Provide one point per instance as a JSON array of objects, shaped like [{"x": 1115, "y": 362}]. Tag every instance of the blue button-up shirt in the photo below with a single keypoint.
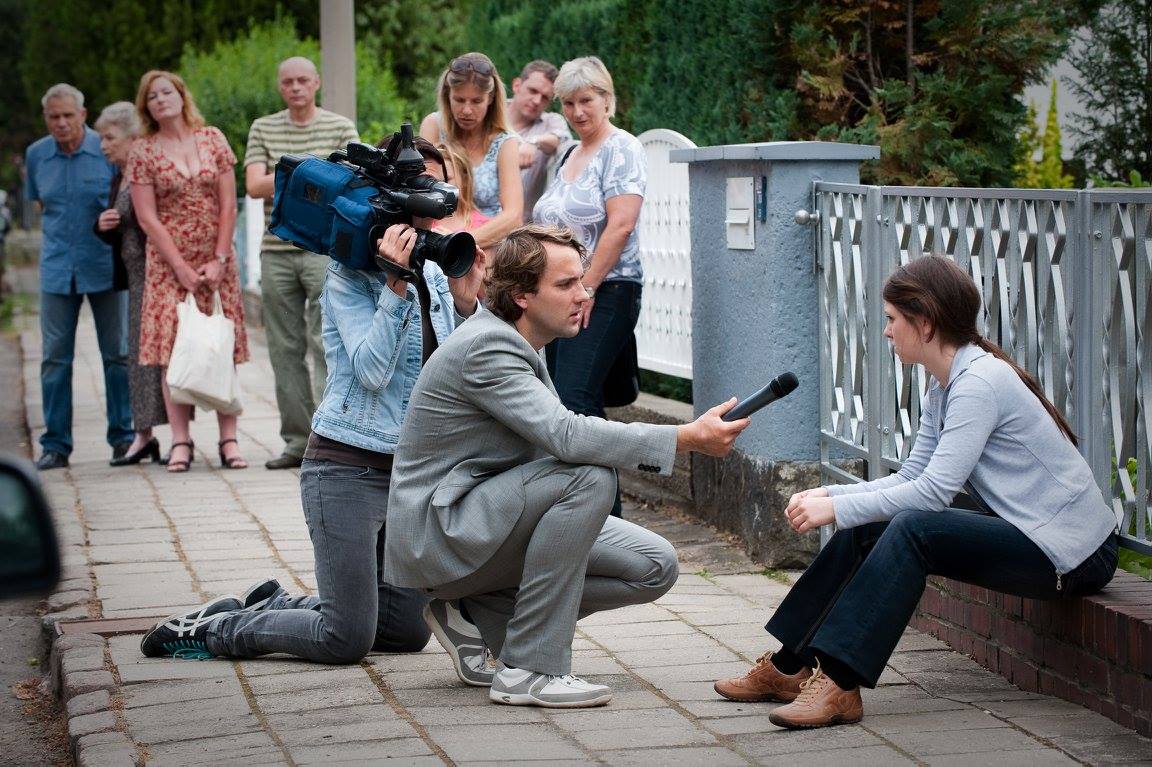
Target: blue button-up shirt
[{"x": 73, "y": 188}]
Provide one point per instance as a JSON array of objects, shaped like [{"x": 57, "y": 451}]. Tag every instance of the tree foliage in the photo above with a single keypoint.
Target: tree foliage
[
  {"x": 1027, "y": 169},
  {"x": 1113, "y": 57},
  {"x": 935, "y": 83},
  {"x": 104, "y": 46},
  {"x": 235, "y": 82},
  {"x": 414, "y": 40},
  {"x": 1047, "y": 171}
]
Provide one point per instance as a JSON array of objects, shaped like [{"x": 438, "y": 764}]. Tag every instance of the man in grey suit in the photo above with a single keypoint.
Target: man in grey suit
[{"x": 501, "y": 496}]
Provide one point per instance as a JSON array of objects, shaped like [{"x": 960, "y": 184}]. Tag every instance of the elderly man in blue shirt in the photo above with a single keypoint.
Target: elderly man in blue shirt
[{"x": 69, "y": 177}]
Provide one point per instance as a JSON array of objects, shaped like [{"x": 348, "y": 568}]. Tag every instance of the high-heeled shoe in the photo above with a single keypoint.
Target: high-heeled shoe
[
  {"x": 179, "y": 467},
  {"x": 236, "y": 461},
  {"x": 151, "y": 450}
]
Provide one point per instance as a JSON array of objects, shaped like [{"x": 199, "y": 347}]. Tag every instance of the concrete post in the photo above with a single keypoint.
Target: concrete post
[
  {"x": 754, "y": 316},
  {"x": 338, "y": 57}
]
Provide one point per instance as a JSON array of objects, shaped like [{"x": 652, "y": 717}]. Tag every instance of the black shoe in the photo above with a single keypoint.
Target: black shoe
[
  {"x": 151, "y": 450},
  {"x": 120, "y": 449},
  {"x": 260, "y": 594},
  {"x": 284, "y": 462},
  {"x": 184, "y": 634},
  {"x": 52, "y": 460}
]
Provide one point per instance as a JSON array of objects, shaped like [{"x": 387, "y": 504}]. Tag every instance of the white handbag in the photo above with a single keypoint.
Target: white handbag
[{"x": 200, "y": 368}]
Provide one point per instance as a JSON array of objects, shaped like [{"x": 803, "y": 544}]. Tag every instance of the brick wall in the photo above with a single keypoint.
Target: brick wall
[{"x": 1095, "y": 651}]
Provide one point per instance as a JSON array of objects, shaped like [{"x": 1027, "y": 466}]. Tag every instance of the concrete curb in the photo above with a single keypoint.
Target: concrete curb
[{"x": 80, "y": 676}]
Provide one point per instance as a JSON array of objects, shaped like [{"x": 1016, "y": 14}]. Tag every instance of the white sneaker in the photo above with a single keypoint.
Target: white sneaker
[{"x": 519, "y": 687}]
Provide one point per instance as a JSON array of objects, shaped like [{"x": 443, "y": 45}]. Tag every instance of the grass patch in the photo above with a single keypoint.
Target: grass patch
[
  {"x": 12, "y": 306},
  {"x": 669, "y": 387},
  {"x": 1135, "y": 562},
  {"x": 777, "y": 575},
  {"x": 705, "y": 574}
]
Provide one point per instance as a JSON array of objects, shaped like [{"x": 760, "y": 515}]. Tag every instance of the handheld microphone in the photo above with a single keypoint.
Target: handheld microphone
[{"x": 780, "y": 386}]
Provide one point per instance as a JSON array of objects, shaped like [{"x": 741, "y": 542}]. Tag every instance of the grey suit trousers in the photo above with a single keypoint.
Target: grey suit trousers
[{"x": 564, "y": 559}]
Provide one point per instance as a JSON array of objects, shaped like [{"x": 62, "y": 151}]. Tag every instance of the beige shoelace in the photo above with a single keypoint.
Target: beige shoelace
[{"x": 812, "y": 686}]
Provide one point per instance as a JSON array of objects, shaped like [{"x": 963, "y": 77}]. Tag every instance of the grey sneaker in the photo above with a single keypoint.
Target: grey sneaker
[
  {"x": 519, "y": 687},
  {"x": 462, "y": 640},
  {"x": 259, "y": 595}
]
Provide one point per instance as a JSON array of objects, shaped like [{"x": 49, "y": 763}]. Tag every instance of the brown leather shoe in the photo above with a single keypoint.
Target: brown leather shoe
[
  {"x": 820, "y": 704},
  {"x": 764, "y": 682}
]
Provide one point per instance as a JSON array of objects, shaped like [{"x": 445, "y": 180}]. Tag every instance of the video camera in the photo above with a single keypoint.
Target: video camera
[{"x": 341, "y": 206}]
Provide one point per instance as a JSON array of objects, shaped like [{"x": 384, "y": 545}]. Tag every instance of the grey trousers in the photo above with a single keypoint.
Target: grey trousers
[
  {"x": 564, "y": 559},
  {"x": 345, "y": 507},
  {"x": 290, "y": 286}
]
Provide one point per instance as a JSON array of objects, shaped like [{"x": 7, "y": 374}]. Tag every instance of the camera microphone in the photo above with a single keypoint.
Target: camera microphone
[{"x": 780, "y": 386}]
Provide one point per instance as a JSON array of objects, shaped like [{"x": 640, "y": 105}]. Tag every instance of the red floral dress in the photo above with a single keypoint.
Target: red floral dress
[{"x": 189, "y": 210}]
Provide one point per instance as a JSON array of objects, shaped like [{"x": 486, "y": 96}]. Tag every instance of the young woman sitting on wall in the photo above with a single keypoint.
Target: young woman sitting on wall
[{"x": 986, "y": 428}]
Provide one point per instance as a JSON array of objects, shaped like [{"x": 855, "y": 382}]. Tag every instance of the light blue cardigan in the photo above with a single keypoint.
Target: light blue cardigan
[{"x": 988, "y": 429}]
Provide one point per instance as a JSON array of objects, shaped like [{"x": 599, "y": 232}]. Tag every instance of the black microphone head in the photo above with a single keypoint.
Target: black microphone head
[{"x": 784, "y": 384}]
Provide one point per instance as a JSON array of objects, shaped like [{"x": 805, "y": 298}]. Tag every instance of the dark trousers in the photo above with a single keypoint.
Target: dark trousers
[
  {"x": 579, "y": 366},
  {"x": 856, "y": 598}
]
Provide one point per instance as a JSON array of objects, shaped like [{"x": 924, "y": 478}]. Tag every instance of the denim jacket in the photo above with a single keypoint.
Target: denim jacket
[{"x": 373, "y": 345}]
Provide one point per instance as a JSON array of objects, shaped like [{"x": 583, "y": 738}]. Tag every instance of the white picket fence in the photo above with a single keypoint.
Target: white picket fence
[{"x": 664, "y": 332}]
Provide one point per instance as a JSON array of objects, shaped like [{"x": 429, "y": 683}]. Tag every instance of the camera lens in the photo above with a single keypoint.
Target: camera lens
[{"x": 453, "y": 252}]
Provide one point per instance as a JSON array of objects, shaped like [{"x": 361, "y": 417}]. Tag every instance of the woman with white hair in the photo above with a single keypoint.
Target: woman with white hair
[
  {"x": 598, "y": 191},
  {"x": 118, "y": 126}
]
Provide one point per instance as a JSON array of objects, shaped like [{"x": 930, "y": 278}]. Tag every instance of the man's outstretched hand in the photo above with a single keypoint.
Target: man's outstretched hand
[{"x": 710, "y": 435}]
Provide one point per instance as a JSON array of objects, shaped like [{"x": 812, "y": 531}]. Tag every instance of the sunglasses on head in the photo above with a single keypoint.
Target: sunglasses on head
[{"x": 462, "y": 65}]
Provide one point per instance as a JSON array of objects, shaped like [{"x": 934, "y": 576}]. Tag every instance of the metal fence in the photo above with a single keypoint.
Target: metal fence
[{"x": 1067, "y": 283}]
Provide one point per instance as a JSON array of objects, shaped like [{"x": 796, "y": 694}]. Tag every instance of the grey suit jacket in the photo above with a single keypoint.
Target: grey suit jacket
[{"x": 484, "y": 405}]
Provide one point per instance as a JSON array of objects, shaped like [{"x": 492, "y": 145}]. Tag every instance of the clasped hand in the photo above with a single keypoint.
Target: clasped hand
[
  {"x": 109, "y": 220},
  {"x": 810, "y": 509}
]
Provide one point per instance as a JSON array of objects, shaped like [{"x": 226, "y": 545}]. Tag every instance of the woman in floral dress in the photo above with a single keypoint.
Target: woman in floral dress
[{"x": 184, "y": 195}]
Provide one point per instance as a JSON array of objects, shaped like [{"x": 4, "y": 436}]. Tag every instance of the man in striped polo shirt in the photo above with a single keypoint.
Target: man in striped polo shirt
[{"x": 291, "y": 279}]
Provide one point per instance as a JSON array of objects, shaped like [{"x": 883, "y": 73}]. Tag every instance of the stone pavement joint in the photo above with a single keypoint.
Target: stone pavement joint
[{"x": 139, "y": 542}]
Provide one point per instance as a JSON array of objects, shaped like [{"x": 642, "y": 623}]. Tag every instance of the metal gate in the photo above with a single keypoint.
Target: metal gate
[{"x": 1066, "y": 278}]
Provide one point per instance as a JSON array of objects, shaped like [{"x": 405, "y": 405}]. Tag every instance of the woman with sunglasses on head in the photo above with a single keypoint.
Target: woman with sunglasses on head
[
  {"x": 471, "y": 98},
  {"x": 986, "y": 428}
]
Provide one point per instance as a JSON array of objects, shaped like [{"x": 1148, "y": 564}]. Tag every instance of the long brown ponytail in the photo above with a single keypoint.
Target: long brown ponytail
[{"x": 936, "y": 289}]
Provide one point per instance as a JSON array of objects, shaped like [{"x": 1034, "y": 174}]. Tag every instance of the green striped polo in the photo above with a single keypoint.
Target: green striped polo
[{"x": 276, "y": 135}]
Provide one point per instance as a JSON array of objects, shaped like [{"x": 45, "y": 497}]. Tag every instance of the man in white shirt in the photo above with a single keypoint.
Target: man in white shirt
[{"x": 542, "y": 132}]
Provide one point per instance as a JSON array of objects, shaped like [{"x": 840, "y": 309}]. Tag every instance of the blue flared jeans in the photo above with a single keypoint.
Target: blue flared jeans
[{"x": 858, "y": 595}]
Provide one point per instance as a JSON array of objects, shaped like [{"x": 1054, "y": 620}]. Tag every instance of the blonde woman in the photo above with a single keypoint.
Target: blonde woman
[
  {"x": 598, "y": 192},
  {"x": 471, "y": 97}
]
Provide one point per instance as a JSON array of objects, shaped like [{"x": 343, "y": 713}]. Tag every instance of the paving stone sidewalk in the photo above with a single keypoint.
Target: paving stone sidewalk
[{"x": 140, "y": 542}]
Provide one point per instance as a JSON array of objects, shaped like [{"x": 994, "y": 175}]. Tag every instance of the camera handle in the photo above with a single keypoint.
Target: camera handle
[{"x": 395, "y": 270}]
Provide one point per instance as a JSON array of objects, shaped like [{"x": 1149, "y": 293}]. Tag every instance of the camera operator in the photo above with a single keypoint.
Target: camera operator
[{"x": 377, "y": 331}]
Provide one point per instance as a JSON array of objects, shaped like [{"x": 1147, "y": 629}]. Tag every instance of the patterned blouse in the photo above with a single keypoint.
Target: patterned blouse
[{"x": 618, "y": 167}]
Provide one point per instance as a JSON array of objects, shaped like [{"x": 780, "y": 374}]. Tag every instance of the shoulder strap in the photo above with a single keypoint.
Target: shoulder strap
[{"x": 564, "y": 159}]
